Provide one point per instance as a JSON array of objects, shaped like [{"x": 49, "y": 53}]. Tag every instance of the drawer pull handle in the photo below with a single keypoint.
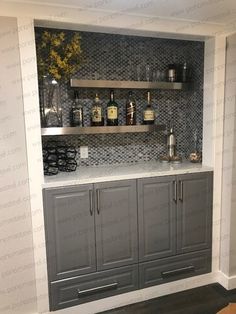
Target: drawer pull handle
[
  {"x": 181, "y": 191},
  {"x": 110, "y": 286},
  {"x": 98, "y": 202},
  {"x": 91, "y": 202},
  {"x": 178, "y": 271},
  {"x": 175, "y": 190}
]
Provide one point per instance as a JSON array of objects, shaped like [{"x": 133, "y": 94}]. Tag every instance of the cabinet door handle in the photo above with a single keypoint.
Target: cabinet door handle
[
  {"x": 91, "y": 202},
  {"x": 175, "y": 191},
  {"x": 181, "y": 191},
  {"x": 98, "y": 201},
  {"x": 110, "y": 286},
  {"x": 178, "y": 271}
]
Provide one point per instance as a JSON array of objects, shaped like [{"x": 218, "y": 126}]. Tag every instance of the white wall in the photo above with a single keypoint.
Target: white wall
[{"x": 17, "y": 268}]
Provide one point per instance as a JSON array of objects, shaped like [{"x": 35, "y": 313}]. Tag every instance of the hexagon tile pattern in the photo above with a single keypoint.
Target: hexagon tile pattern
[{"x": 115, "y": 57}]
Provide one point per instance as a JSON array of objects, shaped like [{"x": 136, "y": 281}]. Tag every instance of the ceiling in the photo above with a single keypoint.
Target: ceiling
[{"x": 210, "y": 11}]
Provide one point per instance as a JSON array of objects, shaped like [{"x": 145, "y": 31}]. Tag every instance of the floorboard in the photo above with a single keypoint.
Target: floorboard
[{"x": 204, "y": 300}]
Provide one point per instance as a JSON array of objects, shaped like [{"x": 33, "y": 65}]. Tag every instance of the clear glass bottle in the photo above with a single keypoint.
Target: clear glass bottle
[
  {"x": 172, "y": 73},
  {"x": 51, "y": 109},
  {"x": 112, "y": 111},
  {"x": 97, "y": 118},
  {"x": 77, "y": 114},
  {"x": 130, "y": 110},
  {"x": 148, "y": 113},
  {"x": 185, "y": 72}
]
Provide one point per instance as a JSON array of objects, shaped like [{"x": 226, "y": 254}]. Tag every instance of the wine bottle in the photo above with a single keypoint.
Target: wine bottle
[
  {"x": 130, "y": 110},
  {"x": 112, "y": 111},
  {"x": 77, "y": 114},
  {"x": 148, "y": 113},
  {"x": 97, "y": 118}
]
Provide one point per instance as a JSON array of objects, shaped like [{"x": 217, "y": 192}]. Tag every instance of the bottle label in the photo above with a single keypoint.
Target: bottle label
[
  {"x": 96, "y": 114},
  {"x": 148, "y": 115},
  {"x": 130, "y": 111},
  {"x": 112, "y": 112},
  {"x": 78, "y": 117}
]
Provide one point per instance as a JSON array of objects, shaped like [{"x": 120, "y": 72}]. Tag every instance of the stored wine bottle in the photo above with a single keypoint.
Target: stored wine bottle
[
  {"x": 97, "y": 118},
  {"x": 77, "y": 114},
  {"x": 112, "y": 111},
  {"x": 148, "y": 113},
  {"x": 130, "y": 110}
]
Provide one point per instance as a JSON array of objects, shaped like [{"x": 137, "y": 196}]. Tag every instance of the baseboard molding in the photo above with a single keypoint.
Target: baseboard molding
[
  {"x": 228, "y": 283},
  {"x": 139, "y": 295}
]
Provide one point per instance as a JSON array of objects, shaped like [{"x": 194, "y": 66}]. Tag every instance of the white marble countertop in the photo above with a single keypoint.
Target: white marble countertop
[{"x": 94, "y": 174}]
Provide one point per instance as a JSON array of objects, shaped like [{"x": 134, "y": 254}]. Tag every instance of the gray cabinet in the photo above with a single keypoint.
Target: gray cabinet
[
  {"x": 194, "y": 212},
  {"x": 75, "y": 216},
  {"x": 174, "y": 268},
  {"x": 70, "y": 232},
  {"x": 116, "y": 224},
  {"x": 174, "y": 214},
  {"x": 94, "y": 286},
  {"x": 108, "y": 238},
  {"x": 157, "y": 217}
]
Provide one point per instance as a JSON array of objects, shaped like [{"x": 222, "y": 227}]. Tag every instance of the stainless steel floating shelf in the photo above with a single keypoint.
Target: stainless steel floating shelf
[
  {"x": 102, "y": 130},
  {"x": 76, "y": 83}
]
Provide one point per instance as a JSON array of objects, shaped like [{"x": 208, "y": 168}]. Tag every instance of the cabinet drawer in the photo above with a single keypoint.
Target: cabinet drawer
[
  {"x": 91, "y": 287},
  {"x": 174, "y": 268}
]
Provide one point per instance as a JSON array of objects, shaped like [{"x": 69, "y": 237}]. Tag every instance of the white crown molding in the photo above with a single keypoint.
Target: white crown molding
[{"x": 111, "y": 21}]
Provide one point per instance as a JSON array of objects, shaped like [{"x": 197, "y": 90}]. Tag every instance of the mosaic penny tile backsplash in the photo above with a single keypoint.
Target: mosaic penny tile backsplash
[{"x": 116, "y": 57}]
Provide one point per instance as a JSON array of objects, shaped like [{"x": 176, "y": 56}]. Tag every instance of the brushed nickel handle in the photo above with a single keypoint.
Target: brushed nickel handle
[
  {"x": 110, "y": 286},
  {"x": 91, "y": 202},
  {"x": 98, "y": 201},
  {"x": 181, "y": 191},
  {"x": 175, "y": 191},
  {"x": 178, "y": 271}
]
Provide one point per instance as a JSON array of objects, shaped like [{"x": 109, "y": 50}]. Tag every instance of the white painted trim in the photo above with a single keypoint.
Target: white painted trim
[
  {"x": 113, "y": 30},
  {"x": 33, "y": 137},
  {"x": 213, "y": 128},
  {"x": 218, "y": 131},
  {"x": 228, "y": 283},
  {"x": 34, "y": 154}
]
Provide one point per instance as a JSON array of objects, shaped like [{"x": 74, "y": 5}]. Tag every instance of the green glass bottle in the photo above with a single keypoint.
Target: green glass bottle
[{"x": 112, "y": 111}]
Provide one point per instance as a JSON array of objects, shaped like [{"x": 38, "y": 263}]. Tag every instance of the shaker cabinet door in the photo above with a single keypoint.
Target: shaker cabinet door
[
  {"x": 157, "y": 217},
  {"x": 70, "y": 231},
  {"x": 116, "y": 224},
  {"x": 194, "y": 213}
]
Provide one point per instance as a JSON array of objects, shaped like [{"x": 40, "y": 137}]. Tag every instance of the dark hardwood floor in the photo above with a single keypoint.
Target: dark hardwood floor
[{"x": 204, "y": 300}]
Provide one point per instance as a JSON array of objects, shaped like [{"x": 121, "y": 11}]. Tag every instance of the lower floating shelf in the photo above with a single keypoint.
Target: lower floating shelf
[{"x": 102, "y": 130}]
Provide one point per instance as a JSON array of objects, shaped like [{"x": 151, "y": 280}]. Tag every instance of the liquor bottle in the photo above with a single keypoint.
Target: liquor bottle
[
  {"x": 97, "y": 118},
  {"x": 77, "y": 115},
  {"x": 130, "y": 110},
  {"x": 112, "y": 111},
  {"x": 148, "y": 113},
  {"x": 171, "y": 142}
]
